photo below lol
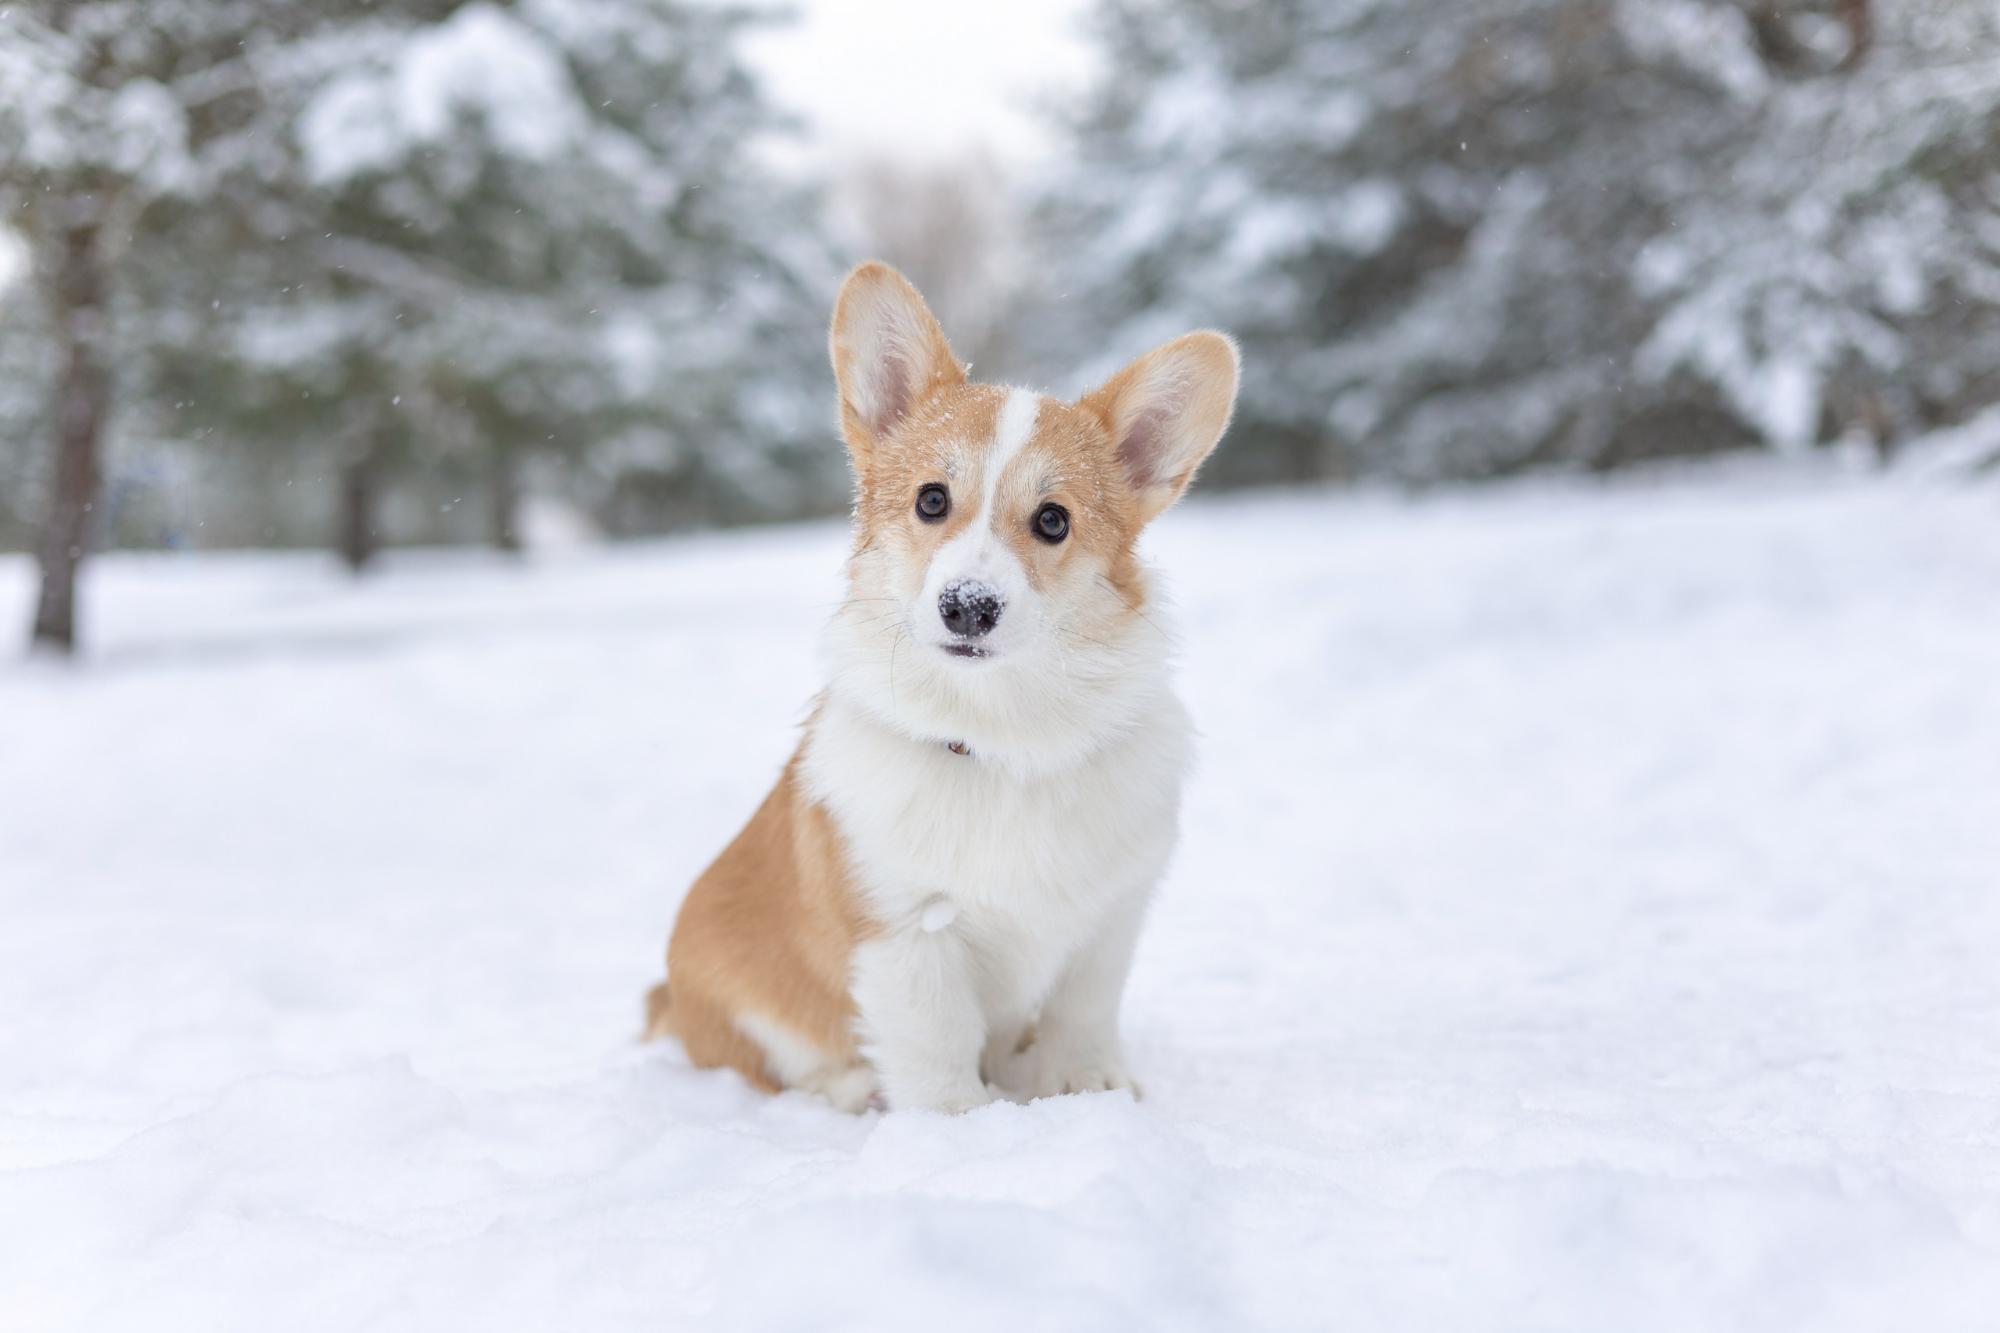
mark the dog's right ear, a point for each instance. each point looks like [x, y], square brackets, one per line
[888, 355]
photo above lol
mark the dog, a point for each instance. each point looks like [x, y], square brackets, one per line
[938, 902]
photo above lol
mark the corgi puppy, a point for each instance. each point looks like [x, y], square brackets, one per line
[938, 902]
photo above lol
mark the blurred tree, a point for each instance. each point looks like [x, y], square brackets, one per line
[1457, 240]
[1841, 274]
[539, 233]
[412, 236]
[25, 368]
[107, 108]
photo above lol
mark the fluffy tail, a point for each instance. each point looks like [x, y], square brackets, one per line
[656, 1013]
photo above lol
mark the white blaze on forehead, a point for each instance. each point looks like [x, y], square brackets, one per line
[979, 553]
[1010, 433]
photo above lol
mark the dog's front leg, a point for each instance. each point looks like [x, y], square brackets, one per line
[922, 1025]
[1076, 1046]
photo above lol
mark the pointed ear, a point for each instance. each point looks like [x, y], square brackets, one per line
[1165, 413]
[888, 354]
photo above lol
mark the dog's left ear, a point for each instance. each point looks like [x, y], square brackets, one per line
[1165, 413]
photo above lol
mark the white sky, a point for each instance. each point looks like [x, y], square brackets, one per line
[923, 78]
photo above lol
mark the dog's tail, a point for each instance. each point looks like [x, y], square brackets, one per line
[656, 1013]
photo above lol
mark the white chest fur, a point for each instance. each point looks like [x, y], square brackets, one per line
[1030, 865]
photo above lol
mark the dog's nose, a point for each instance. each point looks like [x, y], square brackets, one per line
[970, 609]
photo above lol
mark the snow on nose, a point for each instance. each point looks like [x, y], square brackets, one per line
[970, 608]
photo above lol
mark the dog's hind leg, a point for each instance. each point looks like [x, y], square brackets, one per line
[657, 1022]
[795, 1062]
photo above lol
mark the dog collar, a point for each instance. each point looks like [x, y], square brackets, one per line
[958, 747]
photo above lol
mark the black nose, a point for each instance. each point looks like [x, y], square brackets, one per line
[969, 608]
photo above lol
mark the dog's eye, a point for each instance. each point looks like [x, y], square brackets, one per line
[933, 503]
[1052, 523]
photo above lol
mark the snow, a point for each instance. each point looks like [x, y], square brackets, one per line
[13, 259]
[1714, 43]
[1586, 919]
[479, 63]
[1955, 451]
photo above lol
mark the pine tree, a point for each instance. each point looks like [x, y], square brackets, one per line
[1841, 274]
[1459, 240]
[111, 110]
[574, 258]
[360, 243]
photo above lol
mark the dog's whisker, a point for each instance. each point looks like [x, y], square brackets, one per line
[894, 644]
[1132, 606]
[1086, 638]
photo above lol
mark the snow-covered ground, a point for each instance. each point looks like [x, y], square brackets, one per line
[1588, 918]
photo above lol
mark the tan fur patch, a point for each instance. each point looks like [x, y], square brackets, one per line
[768, 929]
[1071, 461]
[942, 440]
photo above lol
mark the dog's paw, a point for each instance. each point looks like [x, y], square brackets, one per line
[851, 1089]
[1104, 1076]
[1048, 1069]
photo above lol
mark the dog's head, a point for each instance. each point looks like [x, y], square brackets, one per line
[995, 589]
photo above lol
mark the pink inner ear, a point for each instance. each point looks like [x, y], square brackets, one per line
[892, 394]
[1140, 450]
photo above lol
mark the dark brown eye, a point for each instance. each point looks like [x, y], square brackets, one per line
[933, 503]
[1052, 523]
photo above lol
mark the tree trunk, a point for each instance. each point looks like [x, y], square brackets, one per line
[1858, 17]
[83, 387]
[360, 536]
[504, 500]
